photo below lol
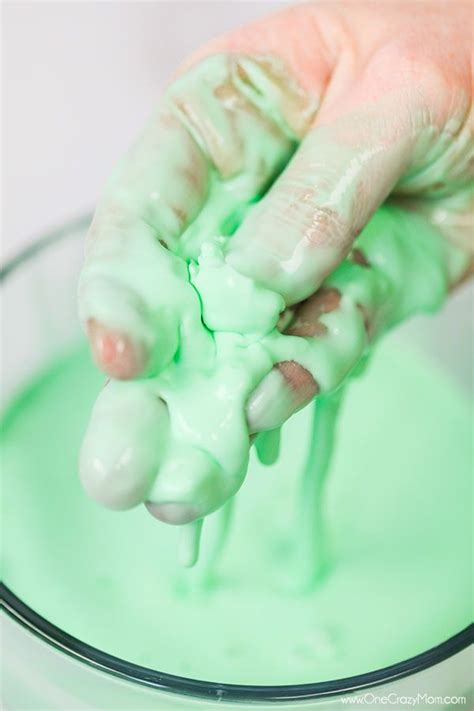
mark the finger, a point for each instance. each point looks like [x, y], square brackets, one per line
[285, 390]
[245, 111]
[162, 181]
[129, 305]
[190, 485]
[124, 445]
[224, 132]
[400, 265]
[155, 192]
[368, 133]
[114, 352]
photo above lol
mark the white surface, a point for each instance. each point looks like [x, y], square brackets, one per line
[80, 79]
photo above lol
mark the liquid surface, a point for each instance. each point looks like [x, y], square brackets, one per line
[396, 515]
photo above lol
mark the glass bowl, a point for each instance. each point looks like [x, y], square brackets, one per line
[46, 668]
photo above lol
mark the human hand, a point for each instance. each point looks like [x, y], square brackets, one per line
[339, 106]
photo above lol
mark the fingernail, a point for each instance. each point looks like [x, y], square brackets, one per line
[270, 404]
[300, 381]
[115, 353]
[307, 322]
[285, 390]
[118, 325]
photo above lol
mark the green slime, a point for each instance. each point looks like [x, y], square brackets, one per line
[395, 519]
[397, 531]
[213, 331]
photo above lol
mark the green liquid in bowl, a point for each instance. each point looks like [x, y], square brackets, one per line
[396, 520]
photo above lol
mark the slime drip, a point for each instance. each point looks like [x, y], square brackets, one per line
[311, 556]
[178, 438]
[189, 544]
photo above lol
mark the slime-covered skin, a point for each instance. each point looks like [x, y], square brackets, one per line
[208, 333]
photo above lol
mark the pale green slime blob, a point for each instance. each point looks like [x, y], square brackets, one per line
[396, 515]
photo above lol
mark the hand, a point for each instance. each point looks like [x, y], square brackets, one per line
[338, 108]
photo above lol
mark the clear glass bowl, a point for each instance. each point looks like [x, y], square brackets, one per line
[46, 668]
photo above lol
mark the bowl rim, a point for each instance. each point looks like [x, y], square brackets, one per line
[163, 681]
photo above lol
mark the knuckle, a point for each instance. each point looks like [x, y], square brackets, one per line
[422, 75]
[220, 100]
[325, 226]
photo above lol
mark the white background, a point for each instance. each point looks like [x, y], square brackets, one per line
[79, 80]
